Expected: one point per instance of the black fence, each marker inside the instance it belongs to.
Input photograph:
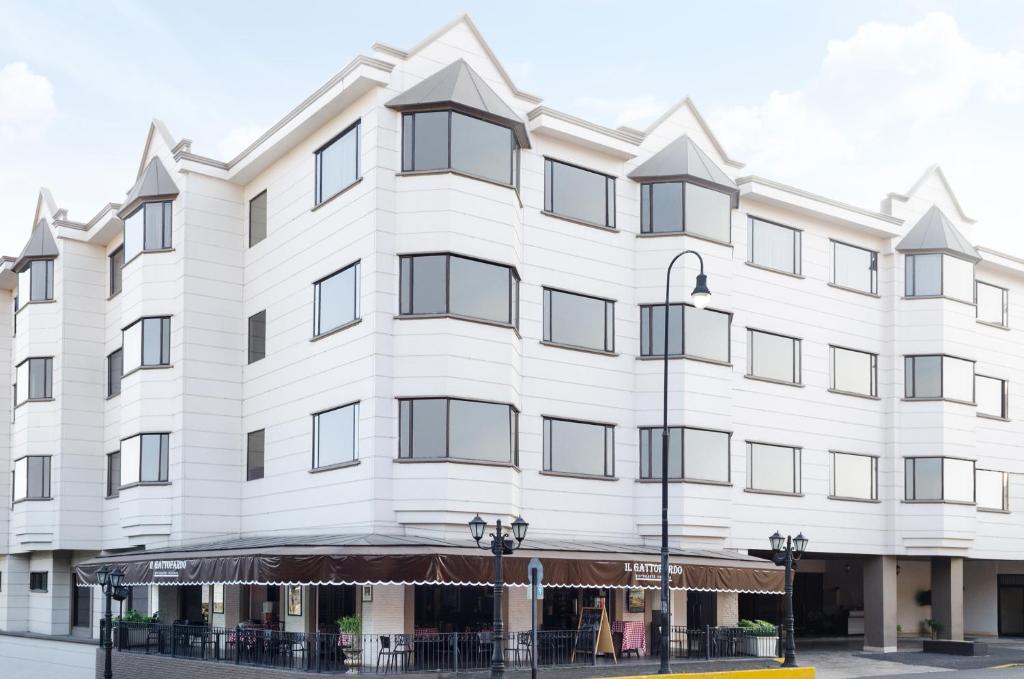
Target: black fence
(708, 643)
(334, 652)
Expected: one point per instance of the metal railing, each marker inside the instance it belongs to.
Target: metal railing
(369, 653)
(721, 642)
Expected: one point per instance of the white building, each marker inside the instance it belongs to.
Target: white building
(423, 295)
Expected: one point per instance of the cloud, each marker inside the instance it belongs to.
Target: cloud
(882, 105)
(26, 102)
(629, 111)
(237, 140)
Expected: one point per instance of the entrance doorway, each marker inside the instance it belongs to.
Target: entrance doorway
(333, 602)
(1011, 605)
(190, 604)
(808, 603)
(701, 609)
(81, 608)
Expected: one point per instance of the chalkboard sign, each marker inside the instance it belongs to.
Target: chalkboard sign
(593, 634)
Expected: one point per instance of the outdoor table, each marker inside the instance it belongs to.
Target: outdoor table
(634, 636)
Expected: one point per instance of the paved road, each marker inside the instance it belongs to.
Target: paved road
(991, 673)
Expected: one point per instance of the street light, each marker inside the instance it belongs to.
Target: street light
(785, 552)
(110, 580)
(501, 544)
(701, 296)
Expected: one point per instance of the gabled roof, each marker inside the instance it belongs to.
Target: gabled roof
(460, 87)
(154, 183)
(40, 246)
(682, 159)
(688, 104)
(935, 233)
(935, 170)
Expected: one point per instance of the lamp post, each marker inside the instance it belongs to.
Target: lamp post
(785, 552)
(701, 296)
(110, 581)
(501, 544)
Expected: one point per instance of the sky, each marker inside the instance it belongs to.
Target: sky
(849, 100)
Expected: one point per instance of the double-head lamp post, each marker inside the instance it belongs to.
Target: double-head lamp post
(110, 580)
(501, 544)
(700, 296)
(785, 552)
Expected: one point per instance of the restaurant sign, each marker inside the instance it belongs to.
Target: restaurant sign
(646, 571)
(167, 569)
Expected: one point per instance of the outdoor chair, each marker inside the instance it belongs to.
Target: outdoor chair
(521, 650)
(396, 656)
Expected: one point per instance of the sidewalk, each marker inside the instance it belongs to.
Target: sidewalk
(645, 665)
(843, 659)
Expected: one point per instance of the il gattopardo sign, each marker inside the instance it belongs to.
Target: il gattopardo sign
(645, 571)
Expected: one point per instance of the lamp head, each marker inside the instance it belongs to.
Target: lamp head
(701, 294)
(477, 528)
(116, 577)
(519, 527)
(799, 545)
(777, 542)
(103, 576)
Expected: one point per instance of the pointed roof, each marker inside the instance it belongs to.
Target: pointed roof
(682, 159)
(460, 87)
(935, 233)
(154, 183)
(41, 245)
(688, 104)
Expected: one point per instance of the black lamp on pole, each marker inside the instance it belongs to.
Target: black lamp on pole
(786, 551)
(500, 545)
(701, 295)
(110, 580)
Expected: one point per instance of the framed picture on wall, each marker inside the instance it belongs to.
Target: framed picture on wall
(218, 598)
(367, 593)
(635, 600)
(294, 599)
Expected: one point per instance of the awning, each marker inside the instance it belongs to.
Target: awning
(403, 564)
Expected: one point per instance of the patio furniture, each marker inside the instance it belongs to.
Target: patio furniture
(397, 655)
(521, 650)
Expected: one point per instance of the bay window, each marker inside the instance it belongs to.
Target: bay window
(692, 332)
(693, 454)
(146, 343)
(31, 478)
(939, 275)
(448, 140)
(35, 282)
(336, 436)
(578, 193)
(446, 284)
(34, 380)
(938, 479)
(458, 429)
(144, 459)
(683, 207)
(147, 229)
(939, 377)
(579, 448)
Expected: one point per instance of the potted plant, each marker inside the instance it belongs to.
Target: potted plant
(761, 638)
(132, 615)
(350, 627)
(934, 626)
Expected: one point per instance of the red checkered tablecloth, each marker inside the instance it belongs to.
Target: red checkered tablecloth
(633, 635)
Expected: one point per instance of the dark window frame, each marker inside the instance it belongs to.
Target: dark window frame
(1005, 494)
(166, 228)
(165, 343)
(609, 320)
(513, 300)
(655, 441)
(647, 317)
(164, 461)
(910, 359)
(1006, 303)
(111, 392)
(318, 197)
(254, 471)
(39, 581)
(873, 267)
(315, 463)
(548, 454)
(1005, 395)
(647, 209)
(408, 165)
(48, 284)
(256, 352)
(832, 476)
(910, 270)
(798, 363)
(910, 480)
(410, 446)
(113, 483)
(798, 464)
(47, 380)
(356, 292)
(832, 370)
(266, 217)
(115, 279)
(610, 198)
(47, 493)
(798, 237)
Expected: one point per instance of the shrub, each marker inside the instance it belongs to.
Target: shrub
(759, 628)
(349, 624)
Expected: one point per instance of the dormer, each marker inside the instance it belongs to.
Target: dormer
(683, 191)
(146, 212)
(34, 266)
(939, 260)
(454, 122)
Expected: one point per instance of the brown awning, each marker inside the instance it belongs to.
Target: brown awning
(319, 568)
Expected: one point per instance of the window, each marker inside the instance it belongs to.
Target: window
(116, 260)
(450, 284)
(336, 300)
(939, 479)
(675, 207)
(692, 332)
(147, 229)
(336, 436)
(993, 489)
(579, 321)
(935, 275)
(579, 448)
(32, 478)
(854, 372)
(337, 164)
(144, 459)
(258, 218)
(773, 357)
(34, 380)
(432, 428)
(993, 304)
(854, 268)
(693, 454)
(257, 336)
(114, 474)
(772, 468)
(254, 452)
(443, 140)
(990, 393)
(38, 581)
(35, 282)
(115, 368)
(146, 343)
(938, 376)
(774, 246)
(852, 476)
(576, 193)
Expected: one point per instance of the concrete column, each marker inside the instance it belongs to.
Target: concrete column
(880, 604)
(948, 595)
(14, 593)
(232, 605)
(728, 613)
